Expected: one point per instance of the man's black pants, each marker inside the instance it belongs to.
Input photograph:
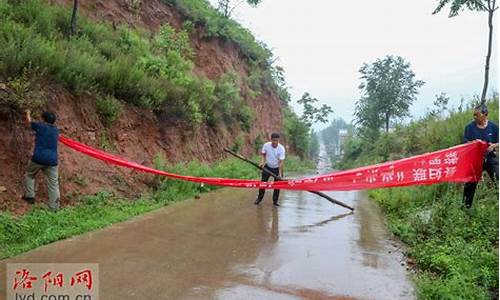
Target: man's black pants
(491, 167)
(265, 177)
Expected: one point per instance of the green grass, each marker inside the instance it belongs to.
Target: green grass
(40, 226)
(109, 109)
(456, 251)
(297, 164)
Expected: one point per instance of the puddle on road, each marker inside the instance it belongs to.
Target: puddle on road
(222, 246)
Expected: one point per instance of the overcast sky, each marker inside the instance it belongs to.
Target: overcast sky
(322, 44)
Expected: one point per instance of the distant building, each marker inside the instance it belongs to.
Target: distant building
(342, 137)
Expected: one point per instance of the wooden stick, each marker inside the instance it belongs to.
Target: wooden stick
(279, 178)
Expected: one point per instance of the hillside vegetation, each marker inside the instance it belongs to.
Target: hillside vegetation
(148, 70)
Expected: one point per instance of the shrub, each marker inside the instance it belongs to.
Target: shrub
(245, 116)
(227, 92)
(204, 90)
(254, 80)
(295, 163)
(238, 142)
(81, 65)
(36, 15)
(297, 133)
(168, 40)
(126, 80)
(5, 9)
(23, 48)
(257, 143)
(24, 93)
(105, 141)
(109, 109)
(131, 42)
(386, 145)
(188, 26)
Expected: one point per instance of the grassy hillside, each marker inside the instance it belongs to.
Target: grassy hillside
(119, 64)
(455, 251)
(147, 70)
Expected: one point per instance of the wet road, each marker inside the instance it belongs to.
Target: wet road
(222, 246)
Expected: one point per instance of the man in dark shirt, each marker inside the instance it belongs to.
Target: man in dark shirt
(482, 129)
(44, 159)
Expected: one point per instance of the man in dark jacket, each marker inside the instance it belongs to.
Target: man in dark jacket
(482, 129)
(44, 159)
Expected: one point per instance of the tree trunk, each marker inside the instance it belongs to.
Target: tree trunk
(387, 122)
(224, 8)
(73, 17)
(488, 55)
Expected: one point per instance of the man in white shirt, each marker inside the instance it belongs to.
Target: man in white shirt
(273, 155)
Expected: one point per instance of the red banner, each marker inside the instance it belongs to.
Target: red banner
(462, 163)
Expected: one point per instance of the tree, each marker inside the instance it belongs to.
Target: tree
(330, 135)
(475, 5)
(298, 129)
(314, 145)
(440, 104)
(388, 89)
(73, 17)
(312, 114)
(297, 133)
(367, 118)
(278, 81)
(226, 8)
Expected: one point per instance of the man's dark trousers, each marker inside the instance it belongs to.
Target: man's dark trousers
(491, 167)
(265, 177)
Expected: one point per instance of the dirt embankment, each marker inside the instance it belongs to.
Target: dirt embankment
(138, 134)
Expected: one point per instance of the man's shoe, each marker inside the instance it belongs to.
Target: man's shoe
(29, 200)
(276, 204)
(470, 211)
(257, 201)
